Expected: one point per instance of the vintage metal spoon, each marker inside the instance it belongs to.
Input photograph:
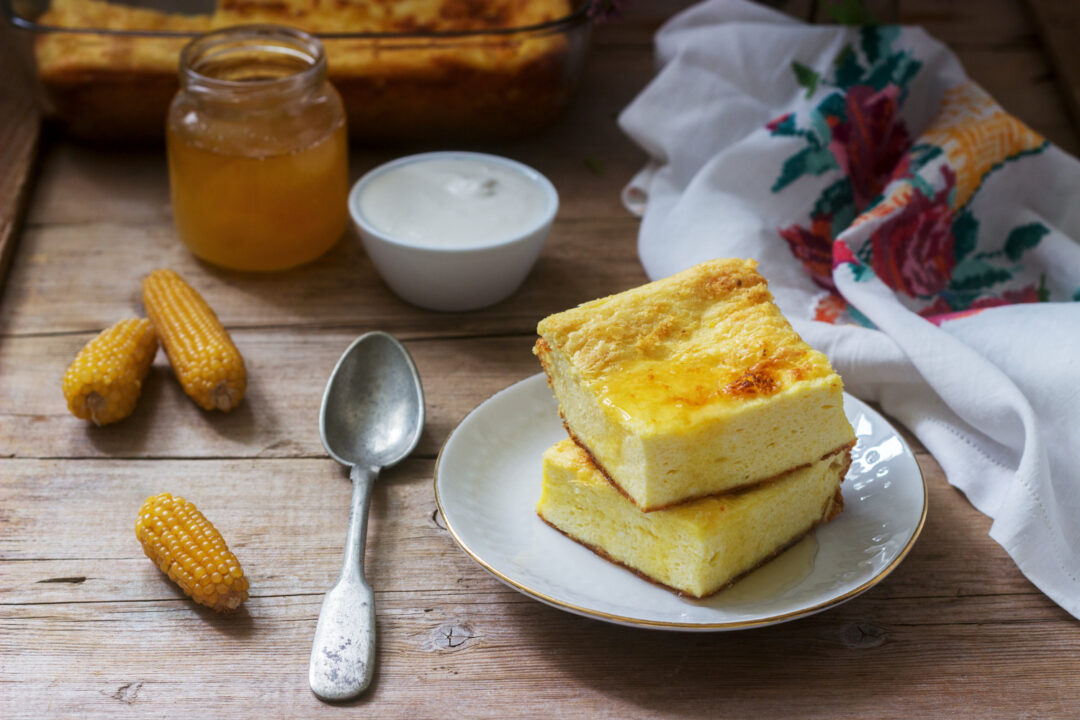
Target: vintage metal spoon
(372, 415)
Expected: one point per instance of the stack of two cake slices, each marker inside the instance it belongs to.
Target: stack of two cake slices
(705, 435)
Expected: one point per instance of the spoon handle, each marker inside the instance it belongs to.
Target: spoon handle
(363, 479)
(343, 653)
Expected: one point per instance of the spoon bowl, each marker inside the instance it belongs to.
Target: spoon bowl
(372, 416)
(373, 407)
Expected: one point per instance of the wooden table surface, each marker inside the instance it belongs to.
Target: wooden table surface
(89, 627)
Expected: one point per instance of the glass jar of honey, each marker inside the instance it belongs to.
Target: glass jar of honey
(258, 155)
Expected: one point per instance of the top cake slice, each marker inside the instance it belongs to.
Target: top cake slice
(692, 385)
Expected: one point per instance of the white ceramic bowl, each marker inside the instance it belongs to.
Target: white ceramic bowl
(454, 279)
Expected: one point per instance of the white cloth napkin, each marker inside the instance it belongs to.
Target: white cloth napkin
(911, 229)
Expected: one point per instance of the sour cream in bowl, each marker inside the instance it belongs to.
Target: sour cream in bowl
(453, 231)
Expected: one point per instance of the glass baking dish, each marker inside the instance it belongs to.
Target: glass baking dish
(445, 69)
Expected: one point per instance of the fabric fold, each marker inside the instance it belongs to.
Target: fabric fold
(921, 236)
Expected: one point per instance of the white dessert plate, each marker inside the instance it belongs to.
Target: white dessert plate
(487, 482)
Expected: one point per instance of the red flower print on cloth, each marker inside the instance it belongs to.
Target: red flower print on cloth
(842, 254)
(913, 251)
(871, 141)
(936, 308)
(813, 248)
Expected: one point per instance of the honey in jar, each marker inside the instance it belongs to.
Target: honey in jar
(258, 155)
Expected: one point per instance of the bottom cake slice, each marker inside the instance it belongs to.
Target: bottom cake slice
(696, 548)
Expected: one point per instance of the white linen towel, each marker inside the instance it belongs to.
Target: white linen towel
(922, 237)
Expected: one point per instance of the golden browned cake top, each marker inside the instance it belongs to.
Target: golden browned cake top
(98, 14)
(69, 54)
(394, 16)
(59, 53)
(708, 337)
(374, 16)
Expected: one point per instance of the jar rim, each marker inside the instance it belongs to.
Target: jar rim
(268, 39)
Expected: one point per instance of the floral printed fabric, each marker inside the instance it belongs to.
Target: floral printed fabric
(927, 247)
(922, 236)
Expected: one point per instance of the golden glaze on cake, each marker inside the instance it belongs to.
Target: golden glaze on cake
(696, 548)
(114, 85)
(692, 385)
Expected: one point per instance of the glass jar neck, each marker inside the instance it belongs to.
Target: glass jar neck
(252, 65)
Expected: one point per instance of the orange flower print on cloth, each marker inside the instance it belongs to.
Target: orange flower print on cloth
(830, 308)
(975, 134)
(925, 242)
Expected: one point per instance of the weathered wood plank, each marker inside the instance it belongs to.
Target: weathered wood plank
(527, 660)
(70, 278)
(20, 130)
(1059, 27)
(279, 417)
(997, 24)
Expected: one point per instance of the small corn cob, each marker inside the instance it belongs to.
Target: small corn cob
(203, 357)
(189, 549)
(105, 379)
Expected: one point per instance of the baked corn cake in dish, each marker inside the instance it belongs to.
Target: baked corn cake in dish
(695, 548)
(395, 82)
(692, 385)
